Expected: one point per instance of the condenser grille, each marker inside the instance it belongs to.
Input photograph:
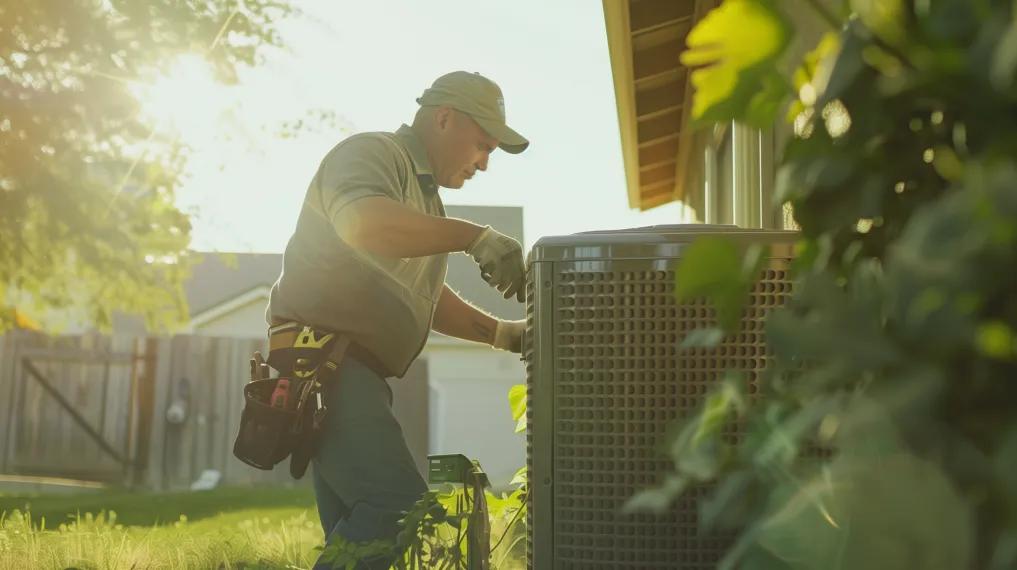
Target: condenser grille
(528, 359)
(620, 381)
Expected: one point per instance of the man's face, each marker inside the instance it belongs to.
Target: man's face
(462, 148)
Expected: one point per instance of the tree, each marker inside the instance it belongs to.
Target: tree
(87, 215)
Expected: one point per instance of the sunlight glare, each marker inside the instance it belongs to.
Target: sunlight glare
(186, 101)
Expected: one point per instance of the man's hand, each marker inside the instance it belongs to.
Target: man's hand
(509, 336)
(501, 262)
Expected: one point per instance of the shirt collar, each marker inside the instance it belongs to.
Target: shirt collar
(418, 154)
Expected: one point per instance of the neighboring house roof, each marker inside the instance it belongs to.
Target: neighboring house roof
(221, 278)
(221, 283)
(645, 39)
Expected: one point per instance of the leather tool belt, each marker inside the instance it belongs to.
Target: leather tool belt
(283, 415)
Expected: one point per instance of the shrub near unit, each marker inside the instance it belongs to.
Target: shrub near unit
(897, 353)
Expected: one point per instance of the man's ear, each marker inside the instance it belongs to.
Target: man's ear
(442, 118)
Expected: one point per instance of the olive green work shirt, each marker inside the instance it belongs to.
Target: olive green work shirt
(384, 304)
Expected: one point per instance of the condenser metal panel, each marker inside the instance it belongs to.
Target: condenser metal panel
(605, 380)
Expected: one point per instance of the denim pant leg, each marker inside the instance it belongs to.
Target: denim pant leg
(331, 508)
(362, 459)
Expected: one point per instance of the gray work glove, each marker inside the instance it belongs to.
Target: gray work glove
(501, 262)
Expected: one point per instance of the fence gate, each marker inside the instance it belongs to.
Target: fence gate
(81, 407)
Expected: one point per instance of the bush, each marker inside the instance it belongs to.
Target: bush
(435, 532)
(885, 432)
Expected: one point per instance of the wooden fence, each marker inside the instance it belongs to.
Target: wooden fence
(141, 412)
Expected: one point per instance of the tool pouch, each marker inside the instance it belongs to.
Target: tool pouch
(269, 433)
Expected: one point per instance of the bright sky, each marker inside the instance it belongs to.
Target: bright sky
(367, 62)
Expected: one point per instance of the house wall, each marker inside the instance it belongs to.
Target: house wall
(469, 412)
(739, 163)
(247, 321)
(410, 406)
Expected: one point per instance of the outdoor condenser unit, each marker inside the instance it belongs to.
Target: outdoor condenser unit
(605, 379)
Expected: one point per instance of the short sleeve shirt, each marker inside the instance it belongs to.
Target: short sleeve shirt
(384, 304)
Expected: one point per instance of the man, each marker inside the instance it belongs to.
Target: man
(368, 260)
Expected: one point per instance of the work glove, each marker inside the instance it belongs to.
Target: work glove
(508, 335)
(501, 262)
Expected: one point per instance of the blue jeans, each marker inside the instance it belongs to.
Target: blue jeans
(364, 475)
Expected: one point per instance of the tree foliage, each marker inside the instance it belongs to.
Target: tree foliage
(735, 48)
(885, 431)
(87, 213)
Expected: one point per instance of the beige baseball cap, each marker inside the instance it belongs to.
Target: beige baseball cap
(480, 98)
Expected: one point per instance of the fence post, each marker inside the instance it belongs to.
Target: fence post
(145, 398)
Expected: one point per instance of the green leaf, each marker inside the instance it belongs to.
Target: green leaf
(507, 505)
(1004, 556)
(810, 77)
(841, 68)
(733, 50)
(947, 163)
(703, 461)
(839, 327)
(1004, 60)
(728, 397)
(721, 506)
(707, 264)
(764, 105)
(886, 18)
(521, 477)
(657, 500)
(708, 337)
(753, 262)
(517, 403)
(713, 268)
(895, 512)
(814, 102)
(1004, 465)
(784, 441)
(696, 444)
(996, 339)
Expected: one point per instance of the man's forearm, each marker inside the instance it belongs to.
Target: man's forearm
(385, 227)
(455, 317)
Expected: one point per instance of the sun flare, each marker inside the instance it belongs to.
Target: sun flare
(186, 100)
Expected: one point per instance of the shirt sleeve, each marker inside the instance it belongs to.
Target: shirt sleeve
(360, 167)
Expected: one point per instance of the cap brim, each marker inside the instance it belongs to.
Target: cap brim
(508, 140)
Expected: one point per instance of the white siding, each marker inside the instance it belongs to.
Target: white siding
(469, 406)
(246, 321)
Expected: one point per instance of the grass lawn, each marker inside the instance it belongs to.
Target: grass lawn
(261, 527)
(266, 527)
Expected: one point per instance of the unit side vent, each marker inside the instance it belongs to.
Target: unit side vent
(620, 381)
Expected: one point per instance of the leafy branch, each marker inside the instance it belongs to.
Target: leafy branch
(891, 366)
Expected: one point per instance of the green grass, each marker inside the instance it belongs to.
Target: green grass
(260, 527)
(146, 509)
(225, 528)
